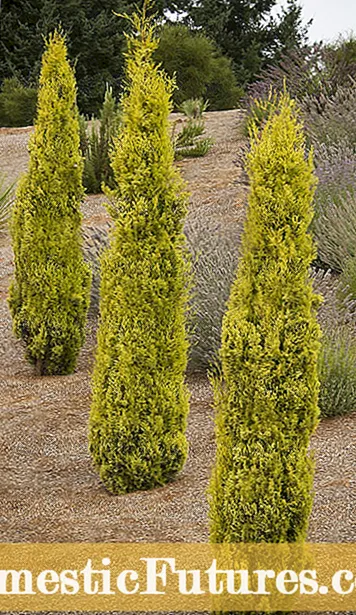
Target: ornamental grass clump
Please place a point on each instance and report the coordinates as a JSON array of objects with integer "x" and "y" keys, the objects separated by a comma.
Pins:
[
  {"x": 49, "y": 297},
  {"x": 337, "y": 368},
  {"x": 140, "y": 401},
  {"x": 267, "y": 396}
]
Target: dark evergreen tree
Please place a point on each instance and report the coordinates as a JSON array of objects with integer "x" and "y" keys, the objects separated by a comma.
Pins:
[
  {"x": 21, "y": 43},
  {"x": 247, "y": 31},
  {"x": 291, "y": 32},
  {"x": 95, "y": 39}
]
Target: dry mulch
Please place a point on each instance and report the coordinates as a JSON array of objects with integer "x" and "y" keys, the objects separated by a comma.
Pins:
[{"x": 49, "y": 491}]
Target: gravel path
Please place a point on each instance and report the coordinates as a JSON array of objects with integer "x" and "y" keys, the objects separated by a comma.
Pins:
[{"x": 49, "y": 491}]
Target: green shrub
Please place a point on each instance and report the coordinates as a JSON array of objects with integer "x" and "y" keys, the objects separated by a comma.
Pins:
[
  {"x": 266, "y": 398},
  {"x": 222, "y": 90},
  {"x": 337, "y": 371},
  {"x": 200, "y": 70},
  {"x": 50, "y": 294},
  {"x": 332, "y": 134},
  {"x": 17, "y": 103},
  {"x": 140, "y": 402},
  {"x": 97, "y": 143}
]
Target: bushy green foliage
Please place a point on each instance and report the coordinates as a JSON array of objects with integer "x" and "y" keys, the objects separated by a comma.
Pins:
[
  {"x": 6, "y": 197},
  {"x": 140, "y": 401},
  {"x": 50, "y": 294},
  {"x": 17, "y": 103},
  {"x": 337, "y": 369},
  {"x": 266, "y": 399},
  {"x": 214, "y": 259},
  {"x": 200, "y": 70},
  {"x": 96, "y": 145}
]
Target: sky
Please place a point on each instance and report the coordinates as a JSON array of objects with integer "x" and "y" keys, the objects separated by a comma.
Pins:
[{"x": 330, "y": 17}]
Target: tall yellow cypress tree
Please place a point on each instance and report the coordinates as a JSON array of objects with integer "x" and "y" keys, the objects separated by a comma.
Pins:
[
  {"x": 140, "y": 401},
  {"x": 266, "y": 401},
  {"x": 50, "y": 294}
]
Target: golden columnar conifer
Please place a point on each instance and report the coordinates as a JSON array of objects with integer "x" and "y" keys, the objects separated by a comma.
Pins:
[
  {"x": 266, "y": 398},
  {"x": 50, "y": 294},
  {"x": 140, "y": 401}
]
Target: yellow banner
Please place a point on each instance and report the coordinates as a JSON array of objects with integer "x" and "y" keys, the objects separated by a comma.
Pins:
[{"x": 177, "y": 577}]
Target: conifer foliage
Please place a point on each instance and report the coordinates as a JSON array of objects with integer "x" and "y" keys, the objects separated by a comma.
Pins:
[
  {"x": 266, "y": 397},
  {"x": 140, "y": 402},
  {"x": 50, "y": 294}
]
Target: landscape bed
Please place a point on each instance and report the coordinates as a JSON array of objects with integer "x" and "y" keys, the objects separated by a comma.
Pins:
[{"x": 49, "y": 490}]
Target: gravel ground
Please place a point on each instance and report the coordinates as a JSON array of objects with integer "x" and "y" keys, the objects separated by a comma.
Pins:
[{"x": 49, "y": 491}]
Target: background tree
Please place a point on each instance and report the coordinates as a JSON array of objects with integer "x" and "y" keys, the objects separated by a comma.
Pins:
[
  {"x": 21, "y": 40},
  {"x": 50, "y": 294},
  {"x": 244, "y": 30},
  {"x": 291, "y": 33},
  {"x": 140, "y": 402},
  {"x": 201, "y": 71},
  {"x": 267, "y": 399},
  {"x": 248, "y": 32},
  {"x": 95, "y": 42}
]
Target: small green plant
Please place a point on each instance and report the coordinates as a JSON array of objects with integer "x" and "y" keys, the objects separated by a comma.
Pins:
[
  {"x": 6, "y": 199},
  {"x": 266, "y": 397},
  {"x": 191, "y": 130},
  {"x": 17, "y": 103},
  {"x": 49, "y": 296},
  {"x": 193, "y": 108},
  {"x": 187, "y": 143},
  {"x": 97, "y": 143},
  {"x": 140, "y": 402},
  {"x": 337, "y": 372},
  {"x": 195, "y": 150}
]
